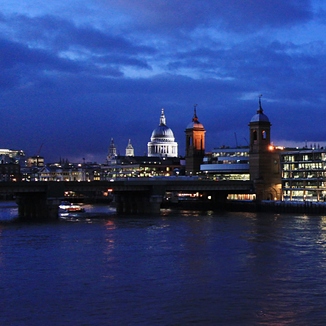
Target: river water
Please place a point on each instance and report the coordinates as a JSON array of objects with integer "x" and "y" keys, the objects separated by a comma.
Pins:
[{"x": 178, "y": 268}]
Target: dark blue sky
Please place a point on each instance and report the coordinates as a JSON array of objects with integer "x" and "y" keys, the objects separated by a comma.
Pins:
[{"x": 74, "y": 74}]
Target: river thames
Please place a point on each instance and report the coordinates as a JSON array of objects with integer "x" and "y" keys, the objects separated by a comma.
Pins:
[{"x": 177, "y": 268}]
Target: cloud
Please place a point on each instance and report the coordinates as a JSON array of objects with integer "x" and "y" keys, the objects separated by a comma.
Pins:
[{"x": 233, "y": 15}]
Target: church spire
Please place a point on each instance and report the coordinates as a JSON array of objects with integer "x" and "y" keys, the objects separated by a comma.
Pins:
[
  {"x": 112, "y": 149},
  {"x": 195, "y": 118},
  {"x": 260, "y": 109},
  {"x": 162, "y": 118}
]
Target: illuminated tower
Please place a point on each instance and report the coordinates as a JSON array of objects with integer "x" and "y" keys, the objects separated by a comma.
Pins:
[
  {"x": 195, "y": 145},
  {"x": 129, "y": 149},
  {"x": 264, "y": 162},
  {"x": 112, "y": 154}
]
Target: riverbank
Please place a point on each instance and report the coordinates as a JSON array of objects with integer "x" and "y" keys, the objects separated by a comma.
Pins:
[{"x": 304, "y": 207}]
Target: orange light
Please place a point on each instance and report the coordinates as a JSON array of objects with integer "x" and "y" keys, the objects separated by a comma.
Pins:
[{"x": 271, "y": 147}]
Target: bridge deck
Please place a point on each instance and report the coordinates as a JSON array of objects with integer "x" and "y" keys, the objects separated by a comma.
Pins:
[{"x": 128, "y": 184}]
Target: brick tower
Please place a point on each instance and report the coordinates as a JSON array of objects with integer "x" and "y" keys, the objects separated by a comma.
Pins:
[
  {"x": 195, "y": 145},
  {"x": 264, "y": 160}
]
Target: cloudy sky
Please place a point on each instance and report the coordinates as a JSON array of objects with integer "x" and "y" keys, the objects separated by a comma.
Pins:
[{"x": 74, "y": 74}]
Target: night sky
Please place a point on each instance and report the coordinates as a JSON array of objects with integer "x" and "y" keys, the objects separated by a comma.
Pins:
[{"x": 75, "y": 74}]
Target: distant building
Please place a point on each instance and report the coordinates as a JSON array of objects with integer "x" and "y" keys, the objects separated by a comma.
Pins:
[
  {"x": 68, "y": 172},
  {"x": 10, "y": 172},
  {"x": 11, "y": 162},
  {"x": 35, "y": 161},
  {"x": 143, "y": 166},
  {"x": 162, "y": 142},
  {"x": 112, "y": 152},
  {"x": 129, "y": 149},
  {"x": 12, "y": 156}
]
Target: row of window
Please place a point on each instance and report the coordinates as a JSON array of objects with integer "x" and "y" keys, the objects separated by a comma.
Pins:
[
  {"x": 300, "y": 157},
  {"x": 304, "y": 166}
]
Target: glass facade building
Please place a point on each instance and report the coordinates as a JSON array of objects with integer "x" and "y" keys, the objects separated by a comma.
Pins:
[{"x": 304, "y": 174}]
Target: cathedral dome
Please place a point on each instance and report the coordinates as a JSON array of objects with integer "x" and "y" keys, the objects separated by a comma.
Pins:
[
  {"x": 162, "y": 140},
  {"x": 162, "y": 132}
]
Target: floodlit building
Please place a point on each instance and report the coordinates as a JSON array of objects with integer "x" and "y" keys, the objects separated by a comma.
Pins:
[
  {"x": 129, "y": 149},
  {"x": 195, "y": 145},
  {"x": 162, "y": 141},
  {"x": 112, "y": 152}
]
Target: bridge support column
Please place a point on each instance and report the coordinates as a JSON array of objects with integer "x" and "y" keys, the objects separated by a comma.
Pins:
[
  {"x": 219, "y": 199},
  {"x": 37, "y": 207},
  {"x": 155, "y": 204},
  {"x": 137, "y": 203},
  {"x": 52, "y": 208}
]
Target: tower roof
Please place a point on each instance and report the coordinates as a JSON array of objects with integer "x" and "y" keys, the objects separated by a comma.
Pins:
[
  {"x": 195, "y": 124},
  {"x": 259, "y": 116}
]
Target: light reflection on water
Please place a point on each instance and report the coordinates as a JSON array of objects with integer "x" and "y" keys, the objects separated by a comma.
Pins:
[
  {"x": 8, "y": 211},
  {"x": 178, "y": 268}
]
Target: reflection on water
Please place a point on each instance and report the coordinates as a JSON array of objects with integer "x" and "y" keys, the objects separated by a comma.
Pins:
[
  {"x": 177, "y": 268},
  {"x": 8, "y": 211}
]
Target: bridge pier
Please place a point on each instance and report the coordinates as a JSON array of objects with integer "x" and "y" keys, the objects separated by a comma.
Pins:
[
  {"x": 219, "y": 199},
  {"x": 36, "y": 206},
  {"x": 40, "y": 205},
  {"x": 137, "y": 203},
  {"x": 155, "y": 203}
]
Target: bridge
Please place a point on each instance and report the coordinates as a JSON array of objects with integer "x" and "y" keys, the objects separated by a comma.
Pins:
[{"x": 37, "y": 200}]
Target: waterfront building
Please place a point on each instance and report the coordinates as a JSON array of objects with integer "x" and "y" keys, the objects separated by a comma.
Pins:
[
  {"x": 61, "y": 172},
  {"x": 304, "y": 174},
  {"x": 64, "y": 171},
  {"x": 162, "y": 142},
  {"x": 195, "y": 145},
  {"x": 226, "y": 163}
]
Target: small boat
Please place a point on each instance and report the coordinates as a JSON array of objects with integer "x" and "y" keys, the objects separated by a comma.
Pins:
[{"x": 67, "y": 209}]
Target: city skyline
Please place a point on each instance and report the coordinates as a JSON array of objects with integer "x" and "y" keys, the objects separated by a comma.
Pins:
[{"x": 75, "y": 75}]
